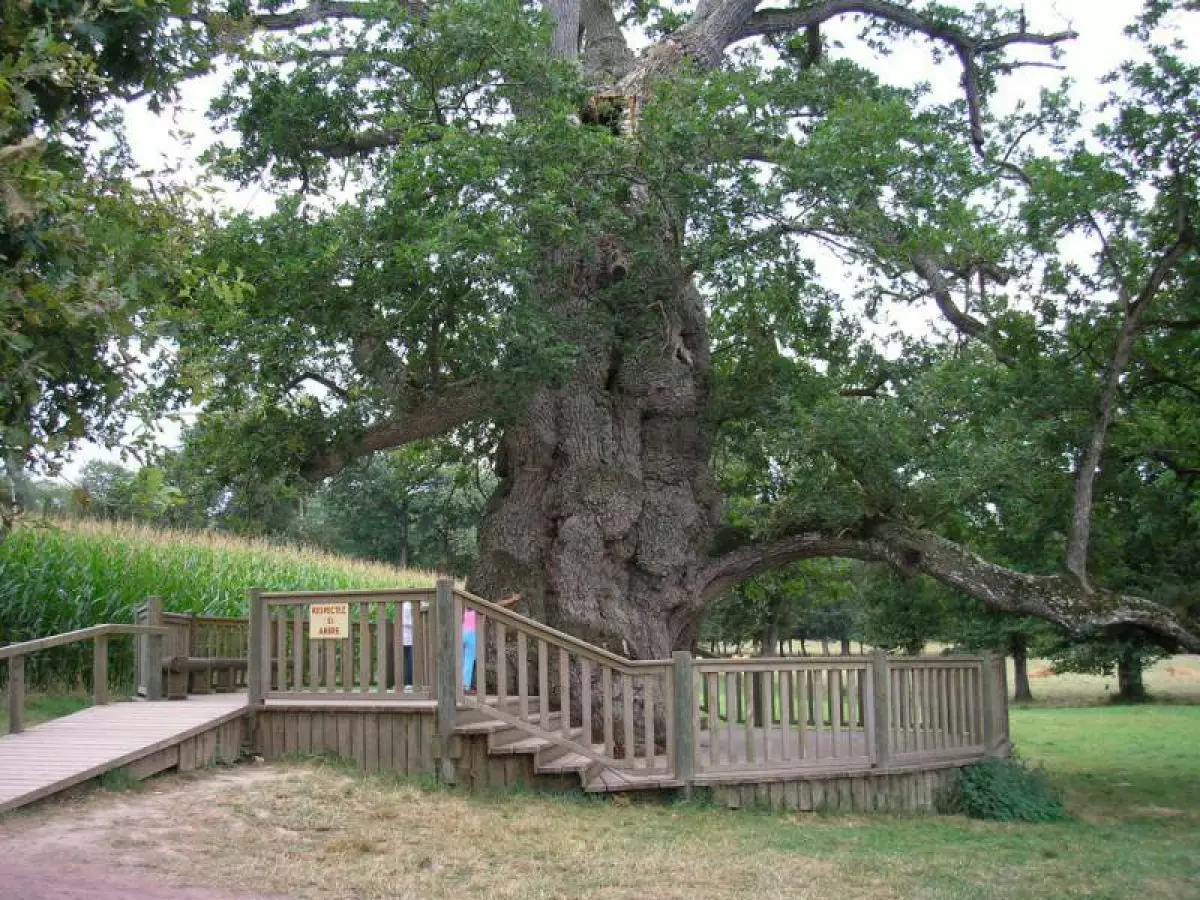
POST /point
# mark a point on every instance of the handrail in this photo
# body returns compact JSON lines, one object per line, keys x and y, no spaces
{"x":598,"y":654}
{"x":83,"y":634}
{"x":357,"y":594}
{"x":16,"y":653}
{"x":205,"y":620}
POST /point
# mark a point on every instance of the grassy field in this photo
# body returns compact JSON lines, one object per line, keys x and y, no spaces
{"x":60,"y":575}
{"x":1130,"y":776}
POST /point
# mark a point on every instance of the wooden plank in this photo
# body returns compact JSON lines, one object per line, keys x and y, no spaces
{"x":835,"y":713}
{"x":543,"y":686}
{"x":381,"y":654}
{"x":732,"y":702}
{"x":280,"y":650}
{"x":648,"y":745}
{"x":304,"y":742}
{"x":606,"y":691}
{"x":523,"y":675}
{"x":766,"y":703}
{"x":818,"y":711}
{"x":585,"y":700}
{"x":364,"y":646}
{"x":412,"y":744}
{"x":627,"y":716}
{"x":398,"y":649}
{"x":297,"y":649}
{"x":564,"y":692}
{"x":346,"y":651}
{"x":329,"y":651}
{"x":314,"y":664}
{"x":713,"y":691}
{"x":371,"y":740}
{"x":329,"y":730}
{"x":501,"y":663}
{"x":785,"y":713}
{"x":100,"y":669}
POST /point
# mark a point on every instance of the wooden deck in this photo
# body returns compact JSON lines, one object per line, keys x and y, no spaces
{"x":146,"y":736}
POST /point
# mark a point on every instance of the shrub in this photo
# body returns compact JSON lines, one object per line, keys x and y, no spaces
{"x":1002,"y":790}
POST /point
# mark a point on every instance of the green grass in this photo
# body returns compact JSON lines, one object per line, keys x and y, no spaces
{"x":57,"y":576}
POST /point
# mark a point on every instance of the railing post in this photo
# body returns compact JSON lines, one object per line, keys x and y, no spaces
{"x":260,"y":659}
{"x":16,"y":694}
{"x":685,"y":719}
{"x":154,"y":650}
{"x":100,"y":669}
{"x":987,"y":696}
{"x":449,"y":627}
{"x":881,"y":713}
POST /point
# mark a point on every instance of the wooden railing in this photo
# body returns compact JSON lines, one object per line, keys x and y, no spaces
{"x":611,"y":710}
{"x":372,"y":661}
{"x":937,"y":707}
{"x":845,"y":713}
{"x":99,"y":635}
{"x":678,"y":720}
{"x":755,"y":714}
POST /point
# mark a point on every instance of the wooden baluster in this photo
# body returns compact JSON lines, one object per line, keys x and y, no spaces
{"x":100,"y":669}
{"x":280,"y":649}
{"x":523,"y":676}
{"x":747,"y":703}
{"x":606,"y":690}
{"x":713,"y":690}
{"x":329,"y":651}
{"x":297,"y":648}
{"x":785,"y":712}
{"x":648,"y":719}
{"x":543,"y":686}
{"x":766,"y":703}
{"x":346,"y":646}
{"x":585,"y":701}
{"x":481,"y":656}
{"x":802,"y":690}
{"x":732,"y":702}
{"x":314,"y":660}
{"x":501,"y":666}
{"x":381,"y":658}
{"x":940,"y":692}
{"x":16,"y":694}
{"x":564,"y":692}
{"x":627,"y":699}
{"x":835,"y":711}
{"x":819,"y":678}
{"x":364,"y":647}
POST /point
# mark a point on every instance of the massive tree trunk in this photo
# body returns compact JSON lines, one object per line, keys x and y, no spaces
{"x":606,"y":505}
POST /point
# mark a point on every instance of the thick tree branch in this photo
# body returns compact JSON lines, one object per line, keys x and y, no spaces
{"x":605,"y":50}
{"x":564,"y":42}
{"x":967,"y":47}
{"x":310,"y":14}
{"x":1085,"y":480}
{"x":931,"y":273}
{"x":368,"y":141}
{"x":443,"y":411}
{"x":1054,"y":598}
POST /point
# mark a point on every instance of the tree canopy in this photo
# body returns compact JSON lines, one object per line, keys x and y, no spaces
{"x":645,"y":257}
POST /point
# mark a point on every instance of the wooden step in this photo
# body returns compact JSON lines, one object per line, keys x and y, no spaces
{"x":485,"y":726}
{"x":615,"y":780}
{"x":530,"y":743}
{"x":568,"y":762}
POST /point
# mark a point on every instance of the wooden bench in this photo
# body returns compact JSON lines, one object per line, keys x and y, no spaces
{"x":203,"y":675}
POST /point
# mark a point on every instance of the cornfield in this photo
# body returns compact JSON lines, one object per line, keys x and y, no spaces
{"x":59,"y":575}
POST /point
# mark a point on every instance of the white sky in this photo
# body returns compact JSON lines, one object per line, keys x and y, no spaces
{"x":1100,"y":47}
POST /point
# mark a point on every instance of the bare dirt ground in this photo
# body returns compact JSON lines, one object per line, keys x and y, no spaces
{"x":116,"y":846}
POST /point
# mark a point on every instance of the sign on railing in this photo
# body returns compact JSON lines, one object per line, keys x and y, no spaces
{"x":353,"y":644}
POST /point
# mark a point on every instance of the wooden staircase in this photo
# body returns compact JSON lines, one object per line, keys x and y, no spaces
{"x":553,"y":751}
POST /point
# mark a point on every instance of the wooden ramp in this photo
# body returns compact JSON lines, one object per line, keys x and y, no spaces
{"x":147,"y":737}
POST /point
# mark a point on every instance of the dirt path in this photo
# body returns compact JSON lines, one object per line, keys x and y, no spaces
{"x":109,"y":846}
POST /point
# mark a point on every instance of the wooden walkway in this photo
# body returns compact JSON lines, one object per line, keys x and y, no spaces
{"x":148,"y":737}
